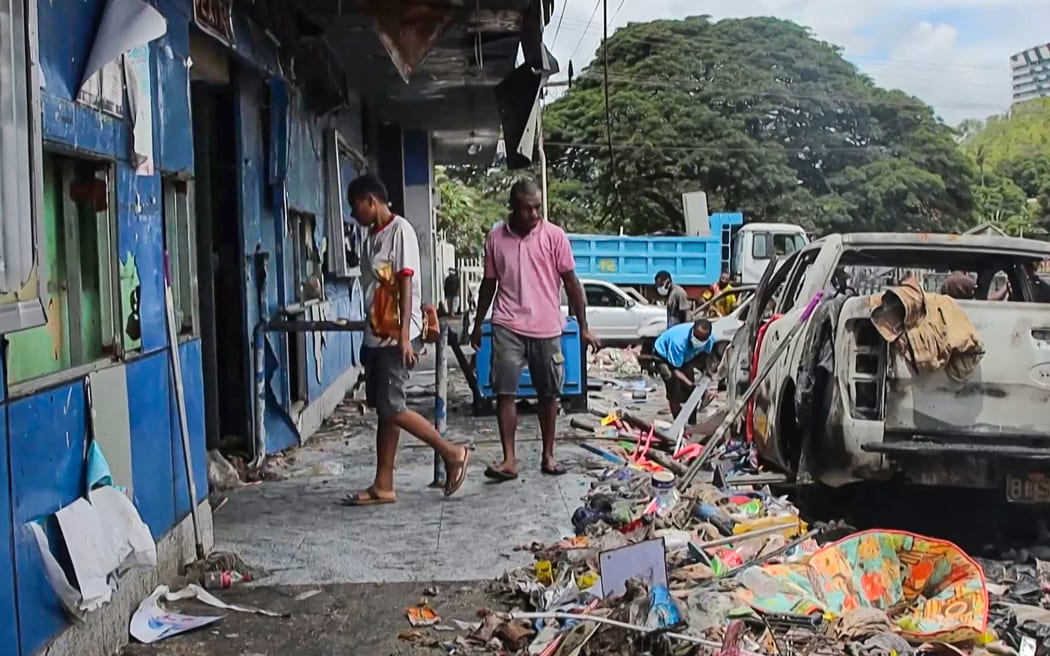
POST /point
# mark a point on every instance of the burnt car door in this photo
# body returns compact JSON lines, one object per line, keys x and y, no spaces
{"x":738,"y":356}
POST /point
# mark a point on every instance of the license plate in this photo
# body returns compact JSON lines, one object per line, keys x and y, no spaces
{"x":1028,"y":488}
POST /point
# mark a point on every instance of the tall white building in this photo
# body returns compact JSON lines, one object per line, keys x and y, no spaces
{"x":1031,"y":73}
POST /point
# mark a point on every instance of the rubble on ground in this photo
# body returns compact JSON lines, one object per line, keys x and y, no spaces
{"x":665,"y":563}
{"x":614,"y":362}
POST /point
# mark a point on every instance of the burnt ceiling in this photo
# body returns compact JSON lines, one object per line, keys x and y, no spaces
{"x":334,"y":45}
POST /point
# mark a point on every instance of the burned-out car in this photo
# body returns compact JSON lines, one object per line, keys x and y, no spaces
{"x":850,"y":401}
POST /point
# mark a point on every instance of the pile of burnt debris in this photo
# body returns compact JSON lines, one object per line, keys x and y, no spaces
{"x":680,"y":547}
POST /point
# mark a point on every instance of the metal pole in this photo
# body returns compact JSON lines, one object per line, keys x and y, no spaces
{"x":259,"y":370}
{"x":440,"y":399}
{"x":180,"y":400}
{"x":543,"y":163}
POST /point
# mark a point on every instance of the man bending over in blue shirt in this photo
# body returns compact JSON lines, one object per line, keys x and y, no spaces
{"x":676,"y":349}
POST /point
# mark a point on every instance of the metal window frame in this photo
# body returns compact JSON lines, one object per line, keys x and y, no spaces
{"x":336,"y":146}
{"x":180,"y":242}
{"x":21,"y":190}
{"x":105,"y":254}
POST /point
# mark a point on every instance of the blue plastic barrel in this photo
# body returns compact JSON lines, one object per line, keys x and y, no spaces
{"x":570,"y":348}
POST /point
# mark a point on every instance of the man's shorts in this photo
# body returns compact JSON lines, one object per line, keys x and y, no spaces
{"x":511,"y":352}
{"x":386,"y":377}
{"x":677,"y":391}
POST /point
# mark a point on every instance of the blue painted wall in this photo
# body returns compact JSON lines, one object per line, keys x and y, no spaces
{"x":42,"y":435}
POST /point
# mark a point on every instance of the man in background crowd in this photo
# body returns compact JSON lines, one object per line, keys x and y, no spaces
{"x":675,"y":297}
{"x":452,"y":291}
{"x":724,"y":305}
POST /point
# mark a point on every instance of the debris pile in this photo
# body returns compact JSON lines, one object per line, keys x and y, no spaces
{"x":615,"y":362}
{"x":667,"y":562}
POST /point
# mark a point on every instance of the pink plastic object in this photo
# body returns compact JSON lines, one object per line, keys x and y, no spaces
{"x":812,"y":306}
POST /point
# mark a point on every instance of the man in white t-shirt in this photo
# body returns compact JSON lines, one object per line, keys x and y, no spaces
{"x":390,"y":268}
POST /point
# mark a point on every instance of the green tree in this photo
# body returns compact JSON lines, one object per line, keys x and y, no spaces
{"x":764,"y":118}
{"x":1021,"y":134}
{"x":1004,"y":203}
{"x":464,"y":215}
{"x":1031,"y":174}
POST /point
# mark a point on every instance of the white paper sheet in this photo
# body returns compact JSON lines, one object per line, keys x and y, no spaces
{"x":93,"y":551}
{"x":152,"y":622}
{"x":140,"y":97}
{"x":105,"y":538}
{"x":125,"y":24}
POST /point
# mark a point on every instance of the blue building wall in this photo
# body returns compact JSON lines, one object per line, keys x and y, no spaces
{"x":42,"y":434}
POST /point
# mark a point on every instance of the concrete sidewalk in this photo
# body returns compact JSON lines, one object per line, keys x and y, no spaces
{"x":296,"y":529}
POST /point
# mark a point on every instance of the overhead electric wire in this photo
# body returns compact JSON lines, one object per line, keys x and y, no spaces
{"x":561,"y":18}
{"x":586,"y":28}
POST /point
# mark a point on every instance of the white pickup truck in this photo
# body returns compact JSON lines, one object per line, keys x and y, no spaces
{"x":841,"y":406}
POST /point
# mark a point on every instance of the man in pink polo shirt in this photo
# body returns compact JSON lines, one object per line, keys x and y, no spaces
{"x":527,"y":260}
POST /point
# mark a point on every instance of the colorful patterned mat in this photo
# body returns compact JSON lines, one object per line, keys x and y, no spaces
{"x":929,"y":588}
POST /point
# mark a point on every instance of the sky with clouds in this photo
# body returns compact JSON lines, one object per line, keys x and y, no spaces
{"x":954,"y":54}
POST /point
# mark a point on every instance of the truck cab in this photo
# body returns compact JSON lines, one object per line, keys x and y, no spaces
{"x":755,"y":244}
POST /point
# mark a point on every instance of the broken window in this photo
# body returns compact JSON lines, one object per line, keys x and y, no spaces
{"x":80,"y":269}
{"x":180,"y":241}
{"x":342,"y":164}
{"x":308,"y":274}
{"x":22,"y":280}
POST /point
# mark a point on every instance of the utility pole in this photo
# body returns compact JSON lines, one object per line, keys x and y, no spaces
{"x":608,"y":109}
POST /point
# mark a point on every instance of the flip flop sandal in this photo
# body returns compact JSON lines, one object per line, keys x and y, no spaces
{"x":371,"y":498}
{"x":554,"y":470}
{"x":454,"y":484}
{"x":500,"y":476}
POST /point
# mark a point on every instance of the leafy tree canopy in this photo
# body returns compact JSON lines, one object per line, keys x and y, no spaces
{"x":1021,"y":134}
{"x":764,"y":118}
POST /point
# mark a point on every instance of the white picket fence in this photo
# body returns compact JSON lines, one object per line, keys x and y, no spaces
{"x":471,"y":272}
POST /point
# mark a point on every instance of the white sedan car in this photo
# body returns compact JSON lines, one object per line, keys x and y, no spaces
{"x":613,"y":316}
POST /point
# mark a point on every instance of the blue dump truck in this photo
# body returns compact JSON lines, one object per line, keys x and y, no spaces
{"x":693,"y":261}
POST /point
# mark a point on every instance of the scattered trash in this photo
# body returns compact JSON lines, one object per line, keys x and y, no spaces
{"x":152,"y":622}
{"x":303,"y":596}
{"x":224,"y":579}
{"x":327,"y":469}
{"x":422,"y":615}
{"x":934,"y":590}
{"x":431,"y":591}
{"x":222,"y":475}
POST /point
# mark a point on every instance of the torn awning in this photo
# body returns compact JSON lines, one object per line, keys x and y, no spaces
{"x":518,"y":97}
{"x":408,"y":29}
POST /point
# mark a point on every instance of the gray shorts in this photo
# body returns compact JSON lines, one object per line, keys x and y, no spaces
{"x":511,"y":352}
{"x":386,"y":377}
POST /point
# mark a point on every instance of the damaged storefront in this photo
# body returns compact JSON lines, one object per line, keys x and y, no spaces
{"x":204,"y":147}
